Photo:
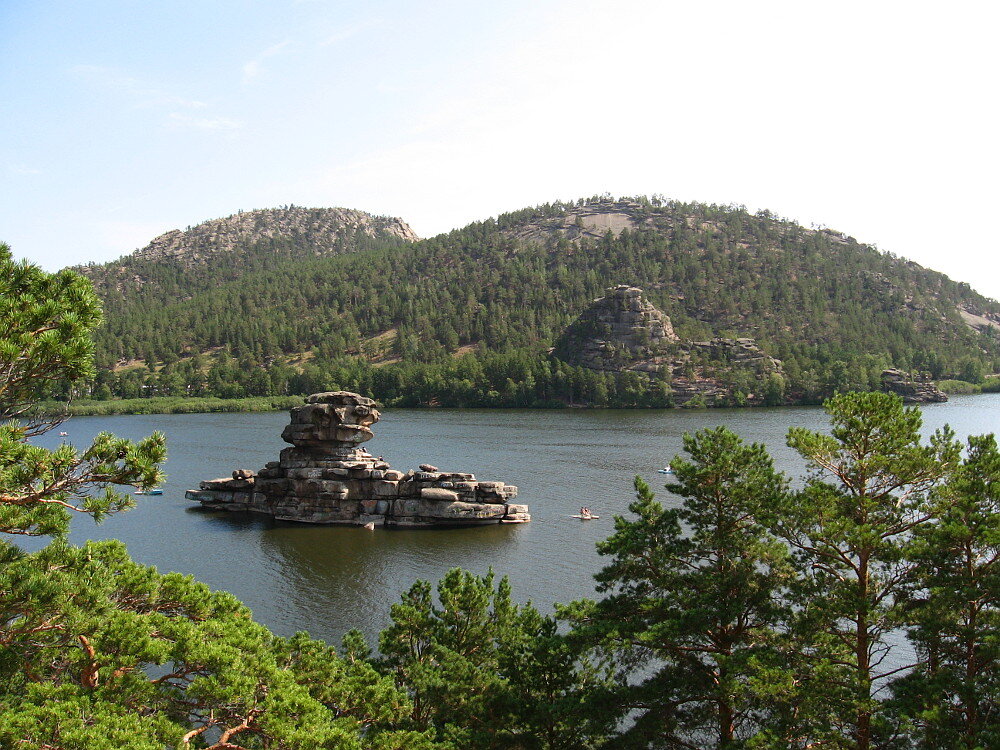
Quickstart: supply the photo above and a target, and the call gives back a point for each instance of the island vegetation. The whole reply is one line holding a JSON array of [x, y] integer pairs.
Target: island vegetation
[[755, 614]]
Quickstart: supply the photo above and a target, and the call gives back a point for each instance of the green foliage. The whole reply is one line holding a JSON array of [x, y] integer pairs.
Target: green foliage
[[711, 633], [168, 405], [991, 385], [44, 338], [694, 599], [765, 651], [958, 387], [953, 696], [134, 658], [867, 492], [39, 487], [99, 652], [512, 379], [483, 672], [45, 324]]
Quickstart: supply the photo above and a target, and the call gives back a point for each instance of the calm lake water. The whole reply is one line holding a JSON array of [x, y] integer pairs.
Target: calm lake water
[[329, 579]]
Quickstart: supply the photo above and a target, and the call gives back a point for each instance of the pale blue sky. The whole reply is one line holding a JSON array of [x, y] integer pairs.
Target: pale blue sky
[[122, 120]]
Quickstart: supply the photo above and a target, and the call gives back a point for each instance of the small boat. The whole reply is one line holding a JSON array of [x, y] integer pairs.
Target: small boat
[[150, 492], [63, 434], [665, 470], [585, 516], [370, 526]]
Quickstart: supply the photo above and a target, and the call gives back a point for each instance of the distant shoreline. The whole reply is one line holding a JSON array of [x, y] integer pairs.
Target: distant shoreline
[[169, 405], [208, 405]]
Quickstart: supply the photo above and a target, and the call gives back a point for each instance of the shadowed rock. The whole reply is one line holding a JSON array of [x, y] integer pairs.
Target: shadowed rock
[[915, 389]]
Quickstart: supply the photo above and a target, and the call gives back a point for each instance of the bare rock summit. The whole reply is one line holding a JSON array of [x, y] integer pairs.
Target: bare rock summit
[[325, 229]]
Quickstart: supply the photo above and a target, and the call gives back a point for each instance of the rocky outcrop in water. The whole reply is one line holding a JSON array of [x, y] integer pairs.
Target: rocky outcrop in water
[[915, 389], [623, 331], [327, 477]]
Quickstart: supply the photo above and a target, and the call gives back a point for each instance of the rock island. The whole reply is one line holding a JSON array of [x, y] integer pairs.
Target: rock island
[[326, 477]]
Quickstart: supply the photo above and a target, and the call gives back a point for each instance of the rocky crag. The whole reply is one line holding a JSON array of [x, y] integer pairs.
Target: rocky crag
[[223, 250], [623, 331], [327, 478], [324, 228], [592, 220], [914, 388]]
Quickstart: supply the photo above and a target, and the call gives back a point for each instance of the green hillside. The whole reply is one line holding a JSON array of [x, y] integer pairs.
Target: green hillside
[[467, 317]]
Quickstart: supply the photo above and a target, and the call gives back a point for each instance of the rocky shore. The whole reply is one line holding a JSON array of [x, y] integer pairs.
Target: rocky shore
[[327, 478], [914, 388]]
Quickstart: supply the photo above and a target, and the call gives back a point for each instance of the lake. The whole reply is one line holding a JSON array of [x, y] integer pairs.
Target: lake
[[328, 579]]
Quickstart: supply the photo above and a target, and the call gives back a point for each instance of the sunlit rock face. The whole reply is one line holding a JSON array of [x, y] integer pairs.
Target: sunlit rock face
[[624, 332], [326, 477], [620, 331]]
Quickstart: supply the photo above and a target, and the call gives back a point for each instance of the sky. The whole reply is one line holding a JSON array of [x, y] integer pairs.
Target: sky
[[125, 119]]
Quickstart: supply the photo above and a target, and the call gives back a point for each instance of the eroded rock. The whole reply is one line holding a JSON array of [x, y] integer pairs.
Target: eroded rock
[[623, 332], [326, 477], [914, 388]]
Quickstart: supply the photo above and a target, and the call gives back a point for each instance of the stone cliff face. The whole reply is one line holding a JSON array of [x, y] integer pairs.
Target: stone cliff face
[[323, 228], [622, 331], [915, 389], [327, 478], [592, 220]]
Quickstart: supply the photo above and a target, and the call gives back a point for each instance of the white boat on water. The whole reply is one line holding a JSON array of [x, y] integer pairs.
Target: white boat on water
[[665, 470]]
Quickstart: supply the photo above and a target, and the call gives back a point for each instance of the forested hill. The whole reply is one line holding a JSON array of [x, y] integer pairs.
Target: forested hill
[[389, 315], [180, 263]]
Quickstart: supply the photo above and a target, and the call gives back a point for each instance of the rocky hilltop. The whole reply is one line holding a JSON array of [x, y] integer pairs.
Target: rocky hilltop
[[205, 256], [595, 218], [327, 478], [591, 220], [324, 228], [622, 331]]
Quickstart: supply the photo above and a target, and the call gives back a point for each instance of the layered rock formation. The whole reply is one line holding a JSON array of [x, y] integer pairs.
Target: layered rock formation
[[915, 389], [326, 477], [622, 331]]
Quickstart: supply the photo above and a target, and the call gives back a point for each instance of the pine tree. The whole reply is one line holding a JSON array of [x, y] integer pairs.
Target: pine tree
[[953, 696], [866, 495], [99, 652], [694, 598]]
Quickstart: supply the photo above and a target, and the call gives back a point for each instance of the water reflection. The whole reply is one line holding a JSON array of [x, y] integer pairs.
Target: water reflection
[[328, 579]]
